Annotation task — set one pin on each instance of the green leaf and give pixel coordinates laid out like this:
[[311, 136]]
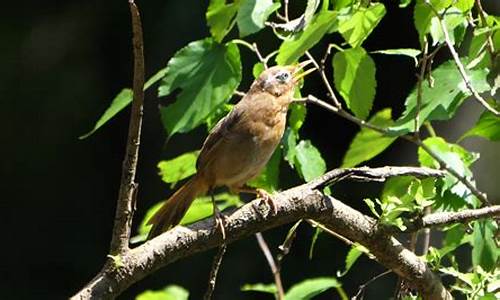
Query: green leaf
[[122, 100], [208, 74], [308, 161], [339, 4], [358, 26], [352, 256], [269, 288], [257, 69], [368, 143], [289, 143], [252, 14], [119, 102], [176, 169], [484, 250], [464, 5], [292, 49], [422, 18], [413, 53], [297, 116], [309, 288], [488, 127], [455, 23], [269, 178], [456, 158], [314, 239], [220, 17], [404, 3], [354, 74], [441, 101], [171, 292]]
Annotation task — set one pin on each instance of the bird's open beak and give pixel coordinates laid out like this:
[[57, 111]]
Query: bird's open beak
[[298, 75]]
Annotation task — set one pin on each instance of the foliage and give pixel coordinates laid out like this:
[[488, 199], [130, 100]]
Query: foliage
[[202, 77]]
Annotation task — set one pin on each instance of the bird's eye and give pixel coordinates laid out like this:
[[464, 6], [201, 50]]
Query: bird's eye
[[283, 77]]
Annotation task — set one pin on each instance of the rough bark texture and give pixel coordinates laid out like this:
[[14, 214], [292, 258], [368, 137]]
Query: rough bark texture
[[304, 201]]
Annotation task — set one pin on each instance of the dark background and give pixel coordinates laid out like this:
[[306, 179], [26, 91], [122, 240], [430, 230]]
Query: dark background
[[61, 63]]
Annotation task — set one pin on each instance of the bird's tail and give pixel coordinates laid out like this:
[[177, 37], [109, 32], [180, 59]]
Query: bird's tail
[[171, 213]]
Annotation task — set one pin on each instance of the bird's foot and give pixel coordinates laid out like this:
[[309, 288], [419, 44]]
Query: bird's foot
[[266, 198], [220, 221]]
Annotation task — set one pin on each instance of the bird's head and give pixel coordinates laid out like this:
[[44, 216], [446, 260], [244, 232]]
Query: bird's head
[[281, 80]]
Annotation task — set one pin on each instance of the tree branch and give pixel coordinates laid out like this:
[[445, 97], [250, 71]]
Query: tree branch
[[464, 216], [304, 201], [128, 187]]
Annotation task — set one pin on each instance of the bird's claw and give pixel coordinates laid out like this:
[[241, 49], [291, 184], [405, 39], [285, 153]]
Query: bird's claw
[[266, 198], [220, 221]]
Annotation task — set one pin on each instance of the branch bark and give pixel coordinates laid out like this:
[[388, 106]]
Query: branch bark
[[128, 186], [304, 201]]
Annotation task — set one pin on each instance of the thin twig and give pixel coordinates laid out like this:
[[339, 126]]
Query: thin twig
[[426, 238], [329, 231], [214, 271], [321, 70], [124, 205], [272, 264], [420, 79], [482, 17], [362, 287], [458, 63], [218, 222]]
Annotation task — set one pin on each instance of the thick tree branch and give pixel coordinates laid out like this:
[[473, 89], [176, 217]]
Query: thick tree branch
[[304, 201], [128, 187]]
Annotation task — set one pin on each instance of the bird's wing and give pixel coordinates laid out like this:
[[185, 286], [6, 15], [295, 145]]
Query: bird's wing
[[220, 131]]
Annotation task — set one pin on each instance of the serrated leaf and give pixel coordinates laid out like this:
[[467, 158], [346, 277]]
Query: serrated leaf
[[354, 74], [220, 17], [456, 158], [368, 143], [358, 26], [171, 292], [269, 177], [293, 48], [174, 170], [453, 20], [488, 127], [484, 250], [308, 161], [208, 74], [119, 102], [309, 288], [252, 14], [441, 101], [269, 288]]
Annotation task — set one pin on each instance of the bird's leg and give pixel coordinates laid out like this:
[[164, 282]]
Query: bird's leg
[[260, 193], [218, 216]]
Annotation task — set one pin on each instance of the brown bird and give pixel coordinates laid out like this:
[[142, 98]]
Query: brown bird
[[239, 146]]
